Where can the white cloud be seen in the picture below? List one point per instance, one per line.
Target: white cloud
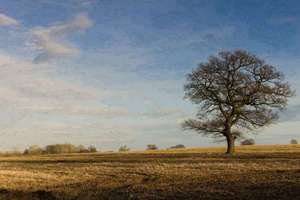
(7, 21)
(77, 110)
(163, 112)
(33, 100)
(31, 80)
(35, 88)
(51, 41)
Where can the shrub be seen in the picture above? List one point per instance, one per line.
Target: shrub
(61, 148)
(92, 149)
(81, 149)
(34, 150)
(152, 147)
(26, 152)
(294, 141)
(248, 142)
(84, 151)
(178, 146)
(123, 148)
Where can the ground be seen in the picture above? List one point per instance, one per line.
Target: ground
(256, 172)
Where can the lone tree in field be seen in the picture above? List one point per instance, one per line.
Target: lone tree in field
(235, 91)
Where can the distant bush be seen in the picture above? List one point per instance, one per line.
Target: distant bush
(178, 146)
(92, 149)
(82, 149)
(248, 142)
(85, 150)
(152, 147)
(34, 150)
(26, 152)
(294, 141)
(61, 148)
(123, 148)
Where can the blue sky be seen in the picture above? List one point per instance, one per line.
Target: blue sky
(110, 73)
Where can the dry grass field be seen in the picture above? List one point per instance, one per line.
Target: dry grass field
(255, 172)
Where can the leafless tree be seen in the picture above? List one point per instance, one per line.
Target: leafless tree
(236, 91)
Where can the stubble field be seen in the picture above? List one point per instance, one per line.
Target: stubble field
(255, 172)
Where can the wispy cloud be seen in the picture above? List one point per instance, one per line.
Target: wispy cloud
(78, 110)
(32, 94)
(283, 20)
(163, 112)
(52, 42)
(35, 88)
(7, 21)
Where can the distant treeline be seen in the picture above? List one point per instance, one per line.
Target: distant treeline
(71, 148)
(58, 148)
(124, 148)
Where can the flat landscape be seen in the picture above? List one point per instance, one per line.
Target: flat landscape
(255, 172)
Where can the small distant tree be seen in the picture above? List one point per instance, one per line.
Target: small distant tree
(82, 149)
(60, 148)
(34, 150)
(26, 152)
(152, 147)
(236, 91)
(294, 141)
(248, 142)
(92, 149)
(178, 146)
(123, 148)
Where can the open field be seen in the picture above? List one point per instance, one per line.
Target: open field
(255, 172)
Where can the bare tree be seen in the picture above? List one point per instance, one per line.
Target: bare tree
(236, 92)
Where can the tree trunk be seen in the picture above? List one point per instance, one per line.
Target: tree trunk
(230, 144)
